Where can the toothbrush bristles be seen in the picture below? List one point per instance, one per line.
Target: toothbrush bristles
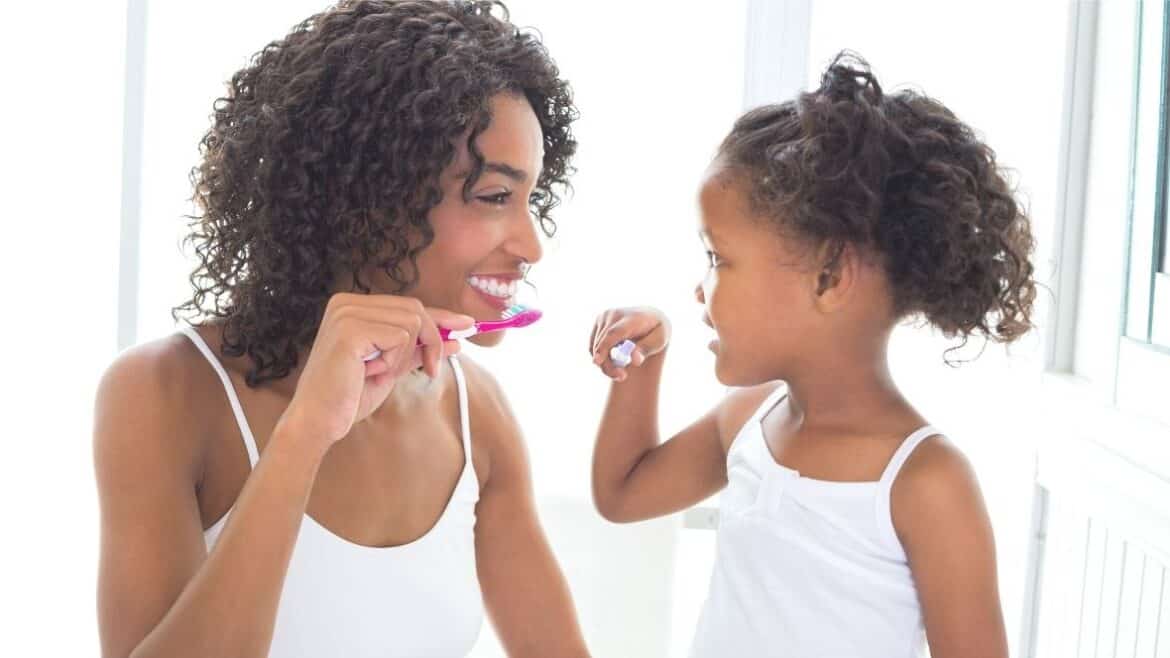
(513, 310)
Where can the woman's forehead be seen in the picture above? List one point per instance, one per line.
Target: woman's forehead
(512, 139)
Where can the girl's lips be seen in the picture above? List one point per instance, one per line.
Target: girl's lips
(713, 345)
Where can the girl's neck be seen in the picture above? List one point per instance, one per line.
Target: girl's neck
(848, 391)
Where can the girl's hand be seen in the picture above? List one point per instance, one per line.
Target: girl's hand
(337, 387)
(647, 327)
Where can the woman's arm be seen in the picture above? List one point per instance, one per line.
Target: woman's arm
(159, 592)
(157, 595)
(527, 598)
(943, 524)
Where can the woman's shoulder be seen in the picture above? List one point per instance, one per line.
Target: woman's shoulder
(166, 370)
(483, 390)
(496, 435)
(157, 388)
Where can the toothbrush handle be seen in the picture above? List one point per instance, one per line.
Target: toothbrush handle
(456, 334)
(444, 333)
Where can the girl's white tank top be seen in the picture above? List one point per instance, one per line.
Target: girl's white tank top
(807, 568)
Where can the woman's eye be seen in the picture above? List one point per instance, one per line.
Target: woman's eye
(712, 259)
(498, 199)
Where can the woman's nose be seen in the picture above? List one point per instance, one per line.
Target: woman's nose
(699, 294)
(524, 241)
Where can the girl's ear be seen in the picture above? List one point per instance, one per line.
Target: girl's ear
(836, 274)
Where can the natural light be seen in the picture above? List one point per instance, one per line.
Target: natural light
(1066, 430)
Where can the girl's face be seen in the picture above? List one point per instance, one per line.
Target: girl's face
(758, 293)
(483, 245)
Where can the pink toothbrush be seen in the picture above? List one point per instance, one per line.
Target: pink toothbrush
(514, 317)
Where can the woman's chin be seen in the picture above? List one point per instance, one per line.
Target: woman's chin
(490, 339)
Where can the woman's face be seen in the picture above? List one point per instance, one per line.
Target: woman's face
(483, 245)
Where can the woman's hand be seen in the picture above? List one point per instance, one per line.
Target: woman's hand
(338, 387)
(646, 327)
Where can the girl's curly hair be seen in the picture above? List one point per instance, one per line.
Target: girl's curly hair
(901, 177)
(324, 157)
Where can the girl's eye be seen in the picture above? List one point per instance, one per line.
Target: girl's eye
(498, 199)
(712, 259)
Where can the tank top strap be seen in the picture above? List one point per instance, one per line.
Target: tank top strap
(882, 508)
(751, 427)
(237, 409)
(769, 403)
(464, 416)
(903, 453)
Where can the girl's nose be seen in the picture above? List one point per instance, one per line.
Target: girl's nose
(699, 294)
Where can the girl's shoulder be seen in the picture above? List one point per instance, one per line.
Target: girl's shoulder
(936, 488)
(741, 405)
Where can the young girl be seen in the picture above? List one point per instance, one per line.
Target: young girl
(849, 527)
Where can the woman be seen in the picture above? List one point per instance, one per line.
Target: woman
(264, 489)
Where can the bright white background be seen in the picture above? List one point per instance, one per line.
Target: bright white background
(658, 85)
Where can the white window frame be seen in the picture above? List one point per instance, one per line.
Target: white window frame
(1108, 433)
(1138, 356)
(134, 100)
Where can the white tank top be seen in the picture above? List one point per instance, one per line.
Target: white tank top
(807, 568)
(343, 599)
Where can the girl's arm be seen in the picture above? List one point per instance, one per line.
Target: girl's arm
(636, 476)
(943, 525)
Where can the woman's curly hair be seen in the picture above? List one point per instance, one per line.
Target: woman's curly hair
(900, 177)
(324, 157)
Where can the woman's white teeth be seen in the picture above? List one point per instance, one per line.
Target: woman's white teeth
(494, 287)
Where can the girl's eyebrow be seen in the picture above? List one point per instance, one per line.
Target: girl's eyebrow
(707, 236)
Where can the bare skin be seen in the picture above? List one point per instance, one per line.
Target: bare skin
(822, 330)
(170, 461)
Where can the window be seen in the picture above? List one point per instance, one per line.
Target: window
(1148, 304)
(1143, 363)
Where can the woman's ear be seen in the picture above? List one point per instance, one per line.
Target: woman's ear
(836, 274)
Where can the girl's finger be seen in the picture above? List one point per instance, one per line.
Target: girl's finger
(599, 328)
(612, 371)
(614, 334)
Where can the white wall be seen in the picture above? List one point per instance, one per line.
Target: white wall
(60, 181)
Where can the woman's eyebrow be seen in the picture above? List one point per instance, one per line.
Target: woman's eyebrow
(517, 175)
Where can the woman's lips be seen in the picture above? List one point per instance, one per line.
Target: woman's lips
(499, 304)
